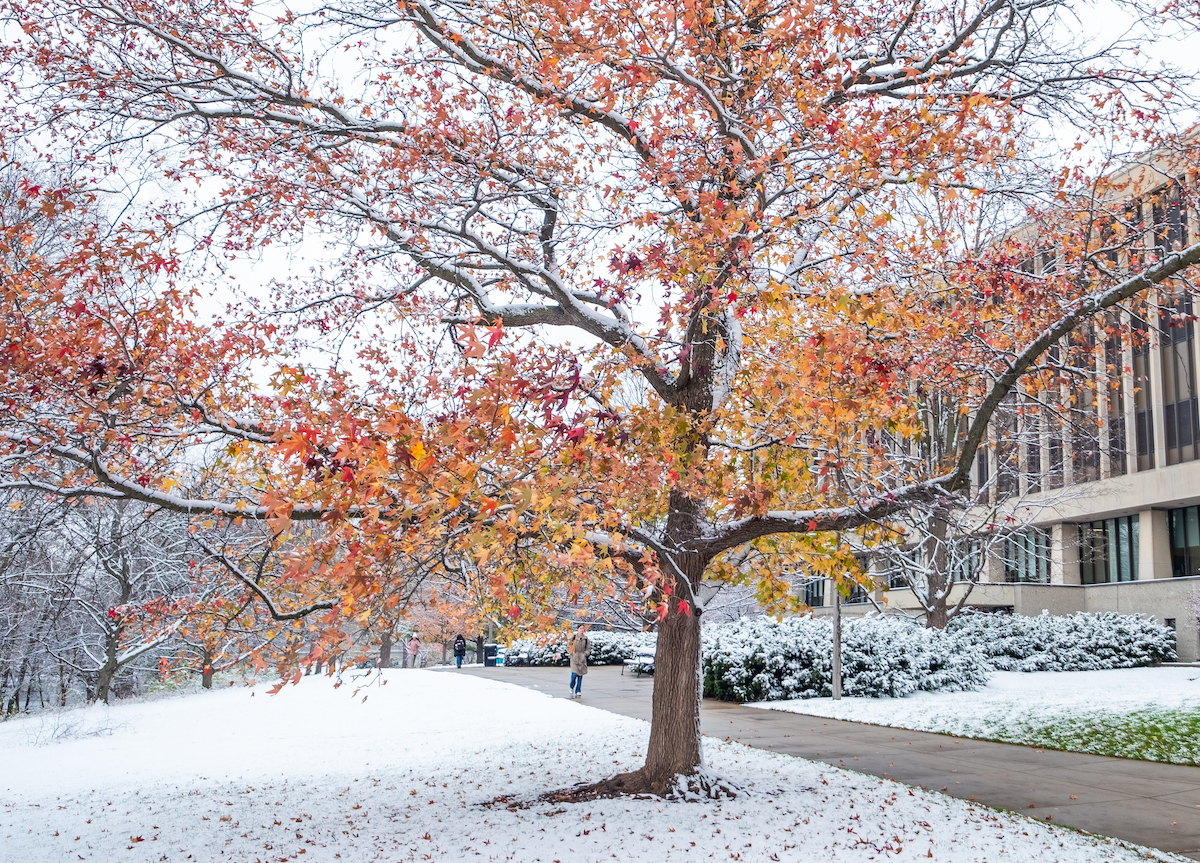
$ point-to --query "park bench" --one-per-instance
(641, 664)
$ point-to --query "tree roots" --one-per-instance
(692, 787)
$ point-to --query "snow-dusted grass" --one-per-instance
(242, 776)
(1147, 713)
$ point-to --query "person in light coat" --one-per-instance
(414, 651)
(581, 645)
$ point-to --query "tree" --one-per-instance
(724, 202)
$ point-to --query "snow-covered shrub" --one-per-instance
(608, 648)
(760, 659)
(1077, 642)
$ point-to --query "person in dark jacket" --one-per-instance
(460, 649)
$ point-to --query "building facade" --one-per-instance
(1106, 483)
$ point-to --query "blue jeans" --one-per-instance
(458, 660)
(576, 681)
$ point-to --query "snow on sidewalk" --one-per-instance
(239, 775)
(1013, 698)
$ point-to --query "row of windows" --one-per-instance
(1108, 552)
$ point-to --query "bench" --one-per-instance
(641, 664)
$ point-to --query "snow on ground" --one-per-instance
(317, 775)
(1012, 698)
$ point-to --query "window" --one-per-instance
(1108, 550)
(1054, 470)
(1004, 428)
(904, 568)
(907, 567)
(982, 475)
(1181, 420)
(1143, 413)
(858, 594)
(1183, 525)
(1033, 450)
(1116, 402)
(964, 562)
(814, 592)
(1027, 557)
(1170, 221)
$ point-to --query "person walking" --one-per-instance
(414, 650)
(460, 649)
(581, 645)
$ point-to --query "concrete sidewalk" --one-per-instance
(1139, 801)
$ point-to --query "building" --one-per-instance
(1106, 487)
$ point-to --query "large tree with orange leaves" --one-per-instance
(690, 259)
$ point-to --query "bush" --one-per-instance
(608, 648)
(1078, 642)
(760, 659)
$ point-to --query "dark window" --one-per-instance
(1170, 222)
(904, 567)
(1181, 420)
(964, 561)
(1056, 456)
(1183, 524)
(1007, 447)
(1108, 550)
(1143, 413)
(1085, 425)
(1116, 404)
(982, 474)
(1033, 451)
(858, 594)
(814, 592)
(1027, 556)
(1054, 470)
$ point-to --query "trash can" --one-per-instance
(489, 656)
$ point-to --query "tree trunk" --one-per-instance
(936, 578)
(206, 672)
(385, 650)
(675, 717)
(104, 679)
(837, 641)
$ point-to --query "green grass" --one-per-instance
(1152, 734)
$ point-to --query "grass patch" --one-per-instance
(1152, 734)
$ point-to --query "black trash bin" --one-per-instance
(489, 656)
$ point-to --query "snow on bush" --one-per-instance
(1078, 642)
(608, 648)
(760, 659)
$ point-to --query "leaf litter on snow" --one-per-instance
(311, 774)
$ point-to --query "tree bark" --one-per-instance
(104, 676)
(675, 713)
(936, 578)
(206, 671)
(385, 650)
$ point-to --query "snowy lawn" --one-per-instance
(317, 775)
(1147, 713)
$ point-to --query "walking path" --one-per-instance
(1139, 801)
